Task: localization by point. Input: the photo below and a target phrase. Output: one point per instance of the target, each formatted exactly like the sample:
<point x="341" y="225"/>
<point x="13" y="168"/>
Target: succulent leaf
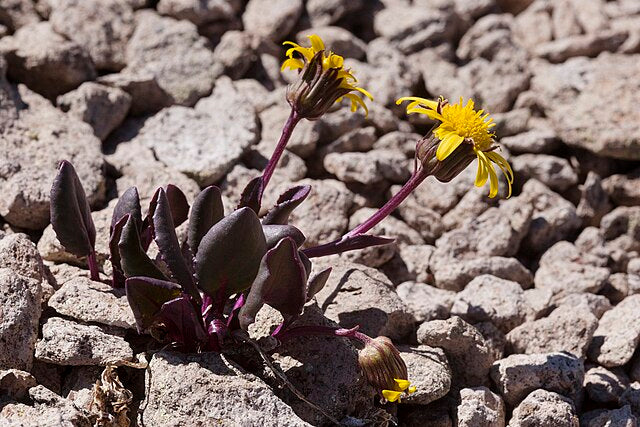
<point x="183" y="324"/>
<point x="317" y="282"/>
<point x="133" y="258"/>
<point x="146" y="297"/>
<point x="274" y="233"/>
<point x="206" y="211"/>
<point x="252" y="194"/>
<point x="287" y="202"/>
<point x="129" y="203"/>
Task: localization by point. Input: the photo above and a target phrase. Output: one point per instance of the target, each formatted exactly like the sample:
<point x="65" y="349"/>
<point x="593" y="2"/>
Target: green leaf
<point x="281" y="283"/>
<point x="229" y="254"/>
<point x="206" y="211"/>
<point x="133" y="259"/>
<point x="146" y="297"/>
<point x="70" y="212"/>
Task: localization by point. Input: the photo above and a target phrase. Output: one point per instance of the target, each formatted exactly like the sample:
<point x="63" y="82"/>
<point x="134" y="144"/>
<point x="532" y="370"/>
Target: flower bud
<point x="384" y="369"/>
<point x="450" y="167"/>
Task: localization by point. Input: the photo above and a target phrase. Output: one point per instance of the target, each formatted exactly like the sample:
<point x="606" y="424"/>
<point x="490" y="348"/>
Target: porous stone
<point x="360" y="168"/>
<point x="323" y="12"/>
<point x="622" y="417"/>
<point x="428" y="370"/>
<point x="235" y="53"/>
<point x="480" y="407"/>
<point x="175" y="54"/>
<point x="336" y="39"/>
<point x="565" y="277"/>
<point x="425" y="302"/>
<point x="15" y="384"/>
<point x="89" y="301"/>
<point x="597" y="304"/>
<point x="464" y="347"/>
<point x="48" y="409"/>
<point x="305" y="136"/>
<point x="604" y="385"/>
<point x="416" y="260"/>
<point x="514" y="122"/>
<point x="519" y="374"/>
<point x="213" y="390"/>
<point x="102" y="107"/>
<point x="545" y="408"/>
<point x="537" y="141"/>
<point x="594" y="201"/>
<point x="617" y="335"/>
<point x="18" y="253"/>
<point x="45" y="61"/>
<point x="555" y="172"/>
<point x="68" y="343"/>
<point x="489" y="298"/>
<point x="102" y="27"/>
<point x="20" y="305"/>
<point x="272" y="19"/>
<point x="455" y="276"/>
<point x="581" y="45"/>
<point x="146" y="94"/>
<point x="539" y="302"/>
<point x="565" y="329"/>
<point x="624" y="189"/>
<point x="200" y="12"/>
<point x="17" y="13"/>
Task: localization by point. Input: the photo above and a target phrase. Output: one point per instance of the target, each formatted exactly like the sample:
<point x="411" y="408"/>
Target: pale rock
<point x="272" y="19"/>
<point x="480" y="407"/>
<point x="426" y="302"/>
<point x="429" y="371"/>
<point x="537" y="141"/>
<point x="545" y="408"/>
<point x="604" y="385"/>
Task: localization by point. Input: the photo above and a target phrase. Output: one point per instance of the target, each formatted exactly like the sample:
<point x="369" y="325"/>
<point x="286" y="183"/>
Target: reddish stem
<point x="93" y="266"/>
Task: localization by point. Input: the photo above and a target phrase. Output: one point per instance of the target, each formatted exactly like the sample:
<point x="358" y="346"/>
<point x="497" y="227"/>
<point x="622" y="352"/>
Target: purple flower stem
<point x="287" y="130"/>
<point x="93" y="266"/>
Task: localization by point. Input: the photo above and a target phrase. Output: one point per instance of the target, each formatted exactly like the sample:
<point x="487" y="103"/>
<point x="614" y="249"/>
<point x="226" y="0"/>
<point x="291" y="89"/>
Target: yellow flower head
<point x="461" y="123"/>
<point x="332" y="65"/>
<point x="401" y="386"/>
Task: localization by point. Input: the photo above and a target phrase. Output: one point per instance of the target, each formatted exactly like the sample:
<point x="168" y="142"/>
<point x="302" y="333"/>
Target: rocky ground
<point x="519" y="312"/>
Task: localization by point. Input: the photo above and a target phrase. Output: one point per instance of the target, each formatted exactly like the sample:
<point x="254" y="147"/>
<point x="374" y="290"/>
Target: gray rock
<point x="146" y="94"/>
<point x="489" y="298"/>
<point x="49" y="410"/>
<point x="360" y="168"/>
<point x="90" y="301"/>
<point x="272" y="19"/>
<point x="539" y="302"/>
<point x="480" y="407"/>
<point x="581" y="45"/>
<point x="545" y="408"/>
<point x="416" y="260"/>
<point x="428" y="370"/>
<point x="594" y="201"/>
<point x="494" y="339"/>
<point x="518" y="375"/>
<point x="555" y="172"/>
<point x="174" y="53"/>
<point x="538" y="141"/>
<point x="213" y="390"/>
<point x="404" y="142"/>
<point x="464" y="347"/>
<point x="580" y="85"/>
<point x="20" y="299"/>
<point x="323" y="12"/>
<point x="68" y="343"/>
<point x="235" y="53"/>
<point x="473" y="204"/>
<point x="15" y="384"/>
<point x="566" y="277"/>
<point x="101" y="27"/>
<point x="622" y="417"/>
<point x="617" y="335"/>
<point x="604" y="385"/>
<point x="17" y="13"/>
<point x="200" y="12"/>
<point x="34" y="140"/>
<point x="101" y="107"/>
<point x="456" y="276"/>
<point x="19" y="254"/>
<point x="514" y="122"/>
<point x="336" y="39"/>
<point x="624" y="189"/>
<point x="567" y="329"/>
<point x="598" y="304"/>
<point x="178" y="135"/>
<point x="358" y="295"/>
<point x="425" y="302"/>
<point x="304" y="139"/>
<point x="45" y="61"/>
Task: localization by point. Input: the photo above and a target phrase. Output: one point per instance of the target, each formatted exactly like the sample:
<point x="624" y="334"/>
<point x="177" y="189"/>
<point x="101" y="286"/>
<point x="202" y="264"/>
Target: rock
<point x="272" y="19"/>
<point x="621" y="285"/>
<point x="489" y="298"/>
<point x="17" y="13"/>
<point x="567" y="329"/>
<point x="565" y="277"/>
<point x="621" y="221"/>
<point x="146" y="94"/>
<point x="101" y="27"/>
<point x="19" y="254"/>
<point x="456" y="276"/>
<point x="358" y="295"/>
<point x="20" y="299"/>
<point x="416" y="260"/>
<point x="479" y="407"/>
<point x="425" y="302"/>
<point x="511" y="123"/>
<point x="399" y="141"/>
<point x="214" y="390"/>
<point x="622" y="417"/>
<point x="594" y="201"/>
<point x="79" y="383"/>
<point x="360" y="168"/>
<point x="337" y="39"/>
<point x="605" y="386"/>
<point x="71" y="344"/>
<point x="597" y="304"/>
<point x="34" y="140"/>
<point x="201" y="12"/>
<point x="15" y="384"/>
<point x="555" y="172"/>
<point x="617" y="335"/>
<point x="178" y="135"/>
<point x="174" y="53"/>
<point x="624" y="189"/>
<point x="101" y="107"/>
<point x="304" y="139"/>
<point x="290" y="167"/>
<point x="235" y="53"/>
<point x="322" y="12"/>
<point x="539" y="302"/>
<point x="581" y="45"/>
<point x="90" y="301"/>
<point x="464" y="347"/>
<point x="472" y="205"/>
<point x="428" y="370"/>
<point x="49" y="410"/>
<point x="545" y="408"/>
<point x="599" y="85"/>
<point x="537" y="141"/>
<point x="45" y="61"/>
<point x="553" y="219"/>
<point x="494" y="339"/>
<point x="518" y="375"/>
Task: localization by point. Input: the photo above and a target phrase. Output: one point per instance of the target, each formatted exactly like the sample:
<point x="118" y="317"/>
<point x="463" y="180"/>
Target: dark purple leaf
<point x="146" y="297"/>
<point x="70" y="212"/>
<point x="183" y="324"/>
<point x="167" y="241"/>
<point x="317" y="282"/>
<point x="274" y="233"/>
<point x="129" y="203"/>
<point x="178" y="203"/>
<point x="252" y="194"/>
<point x="281" y="283"/>
<point x="229" y="254"/>
<point x="287" y="202"/>
<point x="306" y="262"/>
<point x="133" y="258"/>
<point x="116" y="233"/>
<point x="207" y="210"/>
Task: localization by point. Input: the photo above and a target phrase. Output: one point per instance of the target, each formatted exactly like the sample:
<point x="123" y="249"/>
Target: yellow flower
<point x="330" y="62"/>
<point x="402" y="386"/>
<point x="462" y="123"/>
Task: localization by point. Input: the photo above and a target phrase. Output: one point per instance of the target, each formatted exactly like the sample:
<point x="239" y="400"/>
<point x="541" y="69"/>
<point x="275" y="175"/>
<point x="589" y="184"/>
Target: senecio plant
<point x="201" y="293"/>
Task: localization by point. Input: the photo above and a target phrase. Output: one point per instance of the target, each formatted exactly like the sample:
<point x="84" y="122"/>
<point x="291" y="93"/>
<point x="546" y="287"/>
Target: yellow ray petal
<point x="391" y="395"/>
<point x="482" y="174"/>
<point x="355" y="101"/>
<point x="402" y="384"/>
<point x="316" y="43"/>
<point x="447" y="146"/>
<point x="292" y="64"/>
<point x="429" y="103"/>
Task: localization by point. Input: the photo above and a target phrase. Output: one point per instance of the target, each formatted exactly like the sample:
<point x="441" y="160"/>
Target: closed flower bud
<point x="447" y="169"/>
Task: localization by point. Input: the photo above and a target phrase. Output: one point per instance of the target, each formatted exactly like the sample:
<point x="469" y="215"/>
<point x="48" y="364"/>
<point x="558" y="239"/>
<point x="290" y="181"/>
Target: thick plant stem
<point x="93" y="266"/>
<point x="287" y="130"/>
<point x="329" y="331"/>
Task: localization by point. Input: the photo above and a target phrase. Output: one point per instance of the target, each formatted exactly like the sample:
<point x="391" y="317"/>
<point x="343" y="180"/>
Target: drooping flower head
<point x="384" y="369"/>
<point x="322" y="81"/>
<point x="462" y="127"/>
